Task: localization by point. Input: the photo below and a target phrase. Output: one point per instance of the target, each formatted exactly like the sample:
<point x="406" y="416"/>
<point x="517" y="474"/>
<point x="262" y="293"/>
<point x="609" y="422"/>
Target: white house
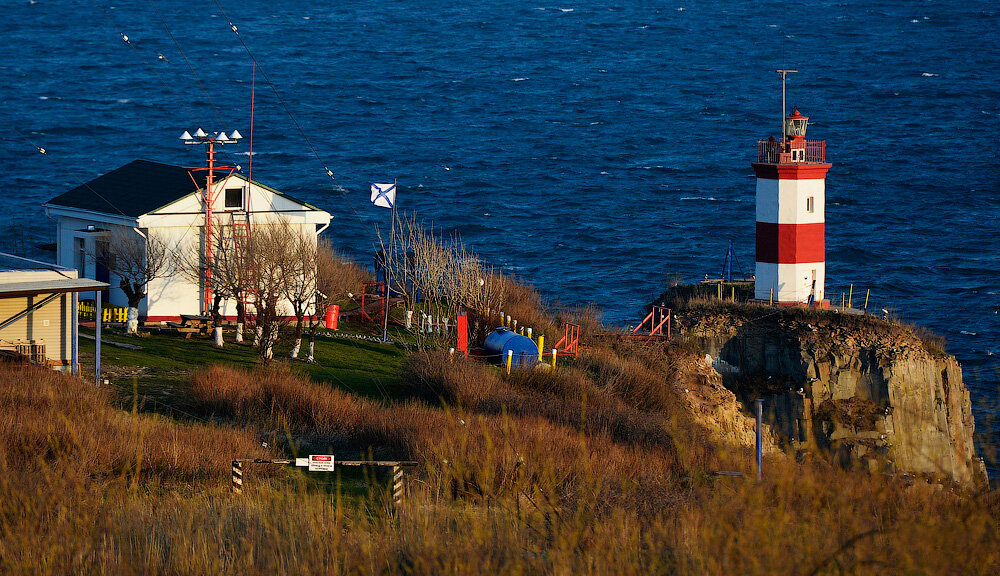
<point x="167" y="202"/>
<point x="38" y="311"/>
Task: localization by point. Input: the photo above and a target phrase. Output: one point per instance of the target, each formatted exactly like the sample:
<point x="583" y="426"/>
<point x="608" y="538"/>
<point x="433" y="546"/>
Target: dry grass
<point x="587" y="470"/>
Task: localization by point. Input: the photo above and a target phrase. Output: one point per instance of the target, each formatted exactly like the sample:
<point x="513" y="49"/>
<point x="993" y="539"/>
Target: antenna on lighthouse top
<point x="783" y="74"/>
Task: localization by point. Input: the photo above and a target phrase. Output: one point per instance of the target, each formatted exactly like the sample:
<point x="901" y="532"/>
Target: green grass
<point x="159" y="371"/>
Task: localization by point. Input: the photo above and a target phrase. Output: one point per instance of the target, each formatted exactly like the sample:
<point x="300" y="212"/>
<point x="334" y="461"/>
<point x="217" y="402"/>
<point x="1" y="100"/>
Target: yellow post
<point x="850" y="297"/>
<point x="770" y="301"/>
<point x="451" y="354"/>
<point x="529" y="332"/>
<point x="734" y="293"/>
<point x="554" y="352"/>
<point x="719" y="285"/>
<point x="510" y="359"/>
<point x="867" y="293"/>
<point x="513" y="325"/>
<point x="541" y="346"/>
<point x="843" y="301"/>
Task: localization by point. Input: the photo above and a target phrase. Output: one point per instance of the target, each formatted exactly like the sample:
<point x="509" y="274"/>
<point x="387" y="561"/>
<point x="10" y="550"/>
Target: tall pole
<point x="202" y="137"/>
<point x="760" y="439"/>
<point x="783" y="73"/>
<point x="98" y="317"/>
<point x="388" y="266"/>
<point x="74" y="367"/>
<point x="207" y="306"/>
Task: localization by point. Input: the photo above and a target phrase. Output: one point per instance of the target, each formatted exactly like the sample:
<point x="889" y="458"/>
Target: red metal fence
<point x="770" y="151"/>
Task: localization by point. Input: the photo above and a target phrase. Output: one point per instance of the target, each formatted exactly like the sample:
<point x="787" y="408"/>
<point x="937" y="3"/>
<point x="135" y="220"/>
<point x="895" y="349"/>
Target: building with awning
<point x="38" y="311"/>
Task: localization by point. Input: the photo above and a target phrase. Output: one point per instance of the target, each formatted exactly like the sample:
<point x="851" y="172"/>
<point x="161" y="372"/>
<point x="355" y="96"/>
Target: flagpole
<point x="388" y="266"/>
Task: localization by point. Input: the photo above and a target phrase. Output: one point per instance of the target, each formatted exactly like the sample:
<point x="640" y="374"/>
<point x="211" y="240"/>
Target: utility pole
<point x="208" y="197"/>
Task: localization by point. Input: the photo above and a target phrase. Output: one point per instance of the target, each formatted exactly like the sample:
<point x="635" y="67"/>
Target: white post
<point x="98" y="315"/>
<point x="239" y="332"/>
<point x="218" y="336"/>
<point x="74" y="366"/>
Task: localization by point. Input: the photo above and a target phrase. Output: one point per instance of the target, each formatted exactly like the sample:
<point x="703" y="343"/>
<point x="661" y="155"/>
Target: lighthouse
<point x="791" y="191"/>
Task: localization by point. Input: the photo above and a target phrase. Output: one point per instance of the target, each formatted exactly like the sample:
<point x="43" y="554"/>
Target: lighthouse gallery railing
<point x="770" y="151"/>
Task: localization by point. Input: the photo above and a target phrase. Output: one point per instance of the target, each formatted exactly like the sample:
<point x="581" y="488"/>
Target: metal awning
<point x="54" y="286"/>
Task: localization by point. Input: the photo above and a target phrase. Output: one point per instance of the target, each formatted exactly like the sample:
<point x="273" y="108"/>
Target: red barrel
<point x="332" y="316"/>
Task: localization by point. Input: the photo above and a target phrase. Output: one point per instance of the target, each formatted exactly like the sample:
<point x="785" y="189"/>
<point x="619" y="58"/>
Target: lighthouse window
<point x="799" y="155"/>
<point x="809" y="204"/>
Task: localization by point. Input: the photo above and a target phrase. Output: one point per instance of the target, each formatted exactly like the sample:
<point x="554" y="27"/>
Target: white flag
<point x="384" y="195"/>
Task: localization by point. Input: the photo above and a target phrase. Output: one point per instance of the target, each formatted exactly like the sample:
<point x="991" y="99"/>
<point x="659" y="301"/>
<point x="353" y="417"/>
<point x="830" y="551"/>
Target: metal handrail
<point x="776" y="152"/>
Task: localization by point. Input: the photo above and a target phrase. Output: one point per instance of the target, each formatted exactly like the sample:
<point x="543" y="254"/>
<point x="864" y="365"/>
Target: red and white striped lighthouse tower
<point x="791" y="191"/>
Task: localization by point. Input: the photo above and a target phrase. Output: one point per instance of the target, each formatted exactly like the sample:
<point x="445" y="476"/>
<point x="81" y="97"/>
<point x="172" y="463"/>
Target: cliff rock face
<point x="870" y="392"/>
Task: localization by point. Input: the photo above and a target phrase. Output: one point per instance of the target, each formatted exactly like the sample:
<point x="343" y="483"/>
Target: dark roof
<point x="136" y="188"/>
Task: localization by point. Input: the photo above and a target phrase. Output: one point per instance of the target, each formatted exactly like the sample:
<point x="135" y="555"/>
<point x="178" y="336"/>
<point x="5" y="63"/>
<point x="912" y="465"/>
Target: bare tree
<point x="450" y="277"/>
<point x="267" y="267"/>
<point x="230" y="274"/>
<point x="136" y="258"/>
<point x="299" y="286"/>
<point x="336" y="279"/>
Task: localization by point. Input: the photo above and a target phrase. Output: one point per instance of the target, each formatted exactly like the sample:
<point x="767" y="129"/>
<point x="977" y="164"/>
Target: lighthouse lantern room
<point x="791" y="190"/>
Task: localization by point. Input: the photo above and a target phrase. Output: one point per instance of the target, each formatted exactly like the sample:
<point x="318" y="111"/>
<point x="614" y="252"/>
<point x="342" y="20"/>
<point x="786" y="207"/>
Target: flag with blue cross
<point x="384" y="195"/>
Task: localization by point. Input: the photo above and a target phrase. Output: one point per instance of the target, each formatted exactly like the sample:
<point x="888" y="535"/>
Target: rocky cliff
<point x="871" y="392"/>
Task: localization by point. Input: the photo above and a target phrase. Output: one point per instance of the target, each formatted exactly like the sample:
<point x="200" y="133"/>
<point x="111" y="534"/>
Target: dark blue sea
<point x="589" y="148"/>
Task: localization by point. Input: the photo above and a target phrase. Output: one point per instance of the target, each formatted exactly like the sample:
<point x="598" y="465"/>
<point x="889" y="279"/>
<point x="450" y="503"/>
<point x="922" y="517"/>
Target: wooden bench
<point x="192" y="324"/>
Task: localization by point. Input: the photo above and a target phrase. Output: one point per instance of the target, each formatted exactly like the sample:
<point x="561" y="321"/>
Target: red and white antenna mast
<point x="209" y="196"/>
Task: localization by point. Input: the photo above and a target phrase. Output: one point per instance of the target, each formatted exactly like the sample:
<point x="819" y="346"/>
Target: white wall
<point x="791" y="282"/>
<point x="784" y="201"/>
<point x="181" y="224"/>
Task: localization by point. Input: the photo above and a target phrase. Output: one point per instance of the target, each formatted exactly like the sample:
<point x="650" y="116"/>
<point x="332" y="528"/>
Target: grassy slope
<point x="162" y="368"/>
<point x="590" y="468"/>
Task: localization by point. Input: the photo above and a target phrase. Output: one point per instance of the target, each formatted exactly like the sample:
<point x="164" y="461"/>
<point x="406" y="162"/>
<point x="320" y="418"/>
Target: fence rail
<point x="86" y="310"/>
<point x="772" y="152"/>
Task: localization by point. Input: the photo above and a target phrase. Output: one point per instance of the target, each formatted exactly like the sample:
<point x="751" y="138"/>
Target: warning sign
<point x="321" y="463"/>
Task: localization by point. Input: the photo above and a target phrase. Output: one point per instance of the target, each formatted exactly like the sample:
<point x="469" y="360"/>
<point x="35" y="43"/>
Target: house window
<point x="79" y="255"/>
<point x="234" y="198"/>
<point x="809" y="204"/>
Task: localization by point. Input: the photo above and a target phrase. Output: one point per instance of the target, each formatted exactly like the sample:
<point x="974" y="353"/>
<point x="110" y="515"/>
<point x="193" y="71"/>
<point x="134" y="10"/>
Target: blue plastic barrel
<point x="499" y="341"/>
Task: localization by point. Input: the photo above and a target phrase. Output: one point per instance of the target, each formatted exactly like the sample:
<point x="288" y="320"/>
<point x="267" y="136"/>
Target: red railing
<point x="771" y="152"/>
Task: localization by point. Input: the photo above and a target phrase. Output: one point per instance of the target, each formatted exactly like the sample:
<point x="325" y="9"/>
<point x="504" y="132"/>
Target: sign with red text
<point x="321" y="463"/>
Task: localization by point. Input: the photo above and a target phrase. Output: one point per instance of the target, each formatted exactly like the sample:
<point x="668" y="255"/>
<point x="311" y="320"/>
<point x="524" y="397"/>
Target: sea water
<point x="592" y="149"/>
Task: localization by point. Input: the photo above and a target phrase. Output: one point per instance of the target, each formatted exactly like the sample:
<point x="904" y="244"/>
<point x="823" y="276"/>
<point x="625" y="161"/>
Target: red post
<point x="332" y="316"/>
<point x="207" y="307"/>
<point x="462" y="327"/>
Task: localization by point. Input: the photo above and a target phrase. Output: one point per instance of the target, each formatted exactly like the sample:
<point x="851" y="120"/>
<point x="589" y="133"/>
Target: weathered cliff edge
<point x="871" y="392"/>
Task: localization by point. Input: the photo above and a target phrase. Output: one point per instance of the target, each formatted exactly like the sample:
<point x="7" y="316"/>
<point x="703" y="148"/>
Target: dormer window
<point x="234" y="198"/>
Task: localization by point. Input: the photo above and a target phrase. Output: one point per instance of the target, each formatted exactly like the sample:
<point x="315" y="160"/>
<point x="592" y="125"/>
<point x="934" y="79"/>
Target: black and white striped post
<point x="237" y="477"/>
<point x="397" y="484"/>
<point x="325" y="464"/>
